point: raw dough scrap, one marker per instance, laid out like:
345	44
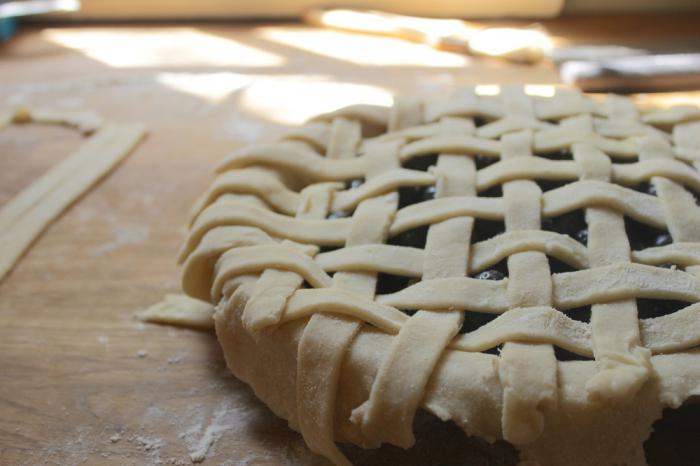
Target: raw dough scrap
180	310
31	211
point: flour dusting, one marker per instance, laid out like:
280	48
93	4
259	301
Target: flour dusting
123	235
200	439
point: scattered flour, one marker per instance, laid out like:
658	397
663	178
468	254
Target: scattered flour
123	235
103	339
142	353
115	438
177	357
149	445
212	432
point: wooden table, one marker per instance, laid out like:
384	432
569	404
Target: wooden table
82	381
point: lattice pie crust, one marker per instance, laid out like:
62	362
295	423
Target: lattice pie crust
508	262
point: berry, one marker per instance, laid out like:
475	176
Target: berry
663	240
491	274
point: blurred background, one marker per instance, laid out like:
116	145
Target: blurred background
81	381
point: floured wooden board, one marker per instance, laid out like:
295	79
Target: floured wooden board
83	381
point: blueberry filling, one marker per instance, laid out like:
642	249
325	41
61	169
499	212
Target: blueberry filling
557	266
493	191
337	214
496	272
572	224
651	308
582	314
421	162
548	185
485	229
437	443
668	265
483	161
663	240
563	154
479	121
496	350
475	320
565	355
410	195
623	160
387	283
414	238
674	438
428	193
646	188
582	236
643	236
352	184
490	274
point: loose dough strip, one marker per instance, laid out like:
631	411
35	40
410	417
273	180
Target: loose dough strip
24	218
180	310
84	121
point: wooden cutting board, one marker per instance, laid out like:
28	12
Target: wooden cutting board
82	381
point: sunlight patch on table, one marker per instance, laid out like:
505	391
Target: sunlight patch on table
213	87
293	100
155	47
364	50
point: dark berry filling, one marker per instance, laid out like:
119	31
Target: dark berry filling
572	224
410	195
582	236
548	185
557	266
674	438
496	272
493	191
483	161
623	160
387	284
642	236
352	184
582	314
414	238
474	320
485	229
490	274
562	154
646	188
565	355
651	308
337	214
421	162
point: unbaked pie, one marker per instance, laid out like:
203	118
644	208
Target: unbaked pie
526	267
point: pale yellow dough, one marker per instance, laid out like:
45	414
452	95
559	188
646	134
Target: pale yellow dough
26	215
304	326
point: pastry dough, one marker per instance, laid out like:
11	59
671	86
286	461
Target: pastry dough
349	306
26	216
180	309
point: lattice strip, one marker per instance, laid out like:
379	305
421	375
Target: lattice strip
400	384
622	361
326	338
528	371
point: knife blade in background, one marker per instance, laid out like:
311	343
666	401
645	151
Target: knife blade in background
619	68
641	73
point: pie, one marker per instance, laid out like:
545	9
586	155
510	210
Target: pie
526	267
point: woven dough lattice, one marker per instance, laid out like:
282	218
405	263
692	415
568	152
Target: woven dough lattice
526	267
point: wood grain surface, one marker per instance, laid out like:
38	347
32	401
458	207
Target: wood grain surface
83	382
